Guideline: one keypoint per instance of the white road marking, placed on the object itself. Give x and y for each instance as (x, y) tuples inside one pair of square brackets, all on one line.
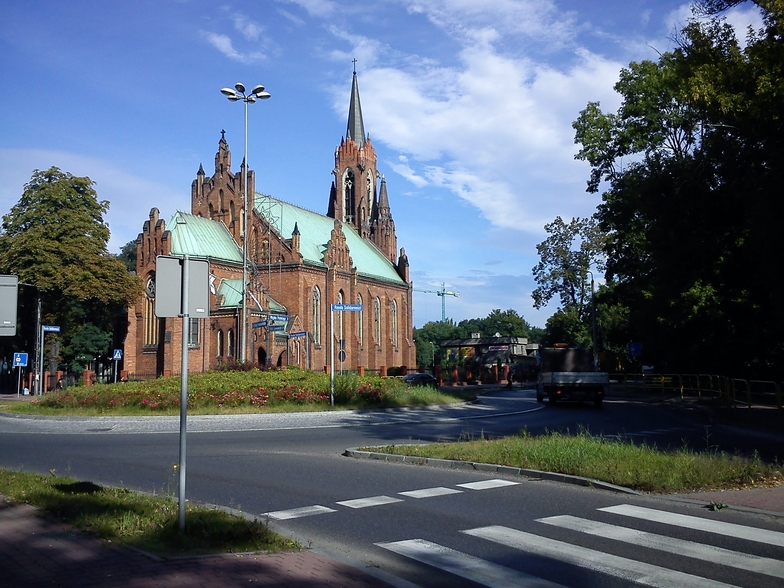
[(487, 484), (366, 502), (619, 567), (430, 492), (295, 513), (464, 565), (708, 553), (697, 523)]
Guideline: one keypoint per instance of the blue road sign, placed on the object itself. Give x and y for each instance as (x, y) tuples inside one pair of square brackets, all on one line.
[(51, 329), (278, 317), (276, 327), (347, 307), (259, 324), (20, 360), (117, 355), (298, 334), (635, 349)]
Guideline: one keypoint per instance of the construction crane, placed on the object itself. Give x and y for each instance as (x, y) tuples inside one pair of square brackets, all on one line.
[(443, 293)]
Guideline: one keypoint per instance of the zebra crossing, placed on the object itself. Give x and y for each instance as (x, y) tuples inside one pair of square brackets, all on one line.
[(617, 527), (636, 572)]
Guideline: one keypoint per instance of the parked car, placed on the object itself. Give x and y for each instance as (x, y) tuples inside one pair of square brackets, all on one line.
[(420, 380)]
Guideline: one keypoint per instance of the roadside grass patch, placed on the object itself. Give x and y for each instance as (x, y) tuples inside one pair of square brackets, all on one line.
[(240, 391), (624, 463), (132, 519)]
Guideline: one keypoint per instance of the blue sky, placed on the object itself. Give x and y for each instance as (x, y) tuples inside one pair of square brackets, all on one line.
[(469, 104)]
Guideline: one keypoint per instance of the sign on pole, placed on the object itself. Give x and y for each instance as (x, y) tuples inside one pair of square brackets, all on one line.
[(347, 307), (20, 360), (297, 334), (276, 327), (9, 291), (278, 317), (259, 324), (169, 291), (51, 329)]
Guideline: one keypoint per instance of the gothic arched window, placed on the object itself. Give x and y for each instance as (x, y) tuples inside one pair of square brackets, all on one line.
[(316, 316), (349, 192), (377, 320), (360, 321), (393, 320), (219, 346)]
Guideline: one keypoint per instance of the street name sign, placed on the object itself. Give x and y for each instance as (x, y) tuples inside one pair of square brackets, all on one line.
[(347, 307)]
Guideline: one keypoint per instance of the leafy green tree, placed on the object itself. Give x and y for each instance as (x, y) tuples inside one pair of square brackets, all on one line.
[(128, 255), (87, 343), (507, 324), (55, 238), (566, 258), (690, 172), (427, 338)]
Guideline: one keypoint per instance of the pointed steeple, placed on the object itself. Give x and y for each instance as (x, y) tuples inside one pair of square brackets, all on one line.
[(383, 199), (356, 127)]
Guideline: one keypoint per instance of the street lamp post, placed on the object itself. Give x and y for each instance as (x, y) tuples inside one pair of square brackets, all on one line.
[(593, 325), (234, 95)]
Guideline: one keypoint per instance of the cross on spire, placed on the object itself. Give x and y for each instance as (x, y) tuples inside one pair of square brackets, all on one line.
[(354, 61)]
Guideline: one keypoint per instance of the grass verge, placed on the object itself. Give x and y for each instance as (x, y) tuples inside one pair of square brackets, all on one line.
[(229, 392), (139, 520), (623, 463)]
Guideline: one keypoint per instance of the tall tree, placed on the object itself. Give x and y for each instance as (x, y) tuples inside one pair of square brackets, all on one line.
[(690, 168), (567, 257), (55, 238)]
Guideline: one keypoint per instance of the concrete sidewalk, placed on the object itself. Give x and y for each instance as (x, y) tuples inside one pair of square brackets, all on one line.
[(37, 552)]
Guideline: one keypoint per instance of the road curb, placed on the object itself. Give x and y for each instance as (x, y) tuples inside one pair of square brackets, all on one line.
[(357, 453)]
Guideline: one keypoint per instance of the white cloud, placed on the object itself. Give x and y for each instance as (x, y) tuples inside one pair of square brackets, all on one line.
[(471, 20), (249, 29), (320, 8), (224, 44)]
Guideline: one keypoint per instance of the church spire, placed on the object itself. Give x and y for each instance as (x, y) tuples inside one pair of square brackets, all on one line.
[(356, 127)]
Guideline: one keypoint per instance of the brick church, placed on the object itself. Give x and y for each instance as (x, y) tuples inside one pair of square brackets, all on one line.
[(299, 263)]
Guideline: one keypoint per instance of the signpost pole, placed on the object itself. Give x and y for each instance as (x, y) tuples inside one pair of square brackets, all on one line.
[(18, 380), (184, 391), (332, 355), (39, 390)]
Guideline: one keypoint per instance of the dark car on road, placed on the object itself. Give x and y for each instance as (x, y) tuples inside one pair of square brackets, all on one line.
[(420, 380)]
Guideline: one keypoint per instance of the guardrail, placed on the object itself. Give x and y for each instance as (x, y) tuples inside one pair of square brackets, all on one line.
[(733, 391)]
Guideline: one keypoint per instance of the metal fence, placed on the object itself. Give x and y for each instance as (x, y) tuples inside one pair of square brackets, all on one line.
[(733, 391)]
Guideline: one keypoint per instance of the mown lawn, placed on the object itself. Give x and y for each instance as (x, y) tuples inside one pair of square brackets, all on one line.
[(636, 466), (146, 522)]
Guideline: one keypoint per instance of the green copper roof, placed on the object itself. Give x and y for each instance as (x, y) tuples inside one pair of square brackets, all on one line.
[(202, 237), (231, 291), (315, 232)]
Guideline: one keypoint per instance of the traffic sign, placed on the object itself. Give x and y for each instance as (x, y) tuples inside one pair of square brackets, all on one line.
[(51, 329), (259, 324), (20, 360), (276, 327), (347, 307), (117, 355), (278, 317), (342, 356), (9, 292), (298, 334)]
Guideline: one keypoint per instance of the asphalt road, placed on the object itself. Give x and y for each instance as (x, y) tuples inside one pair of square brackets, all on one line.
[(466, 526)]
